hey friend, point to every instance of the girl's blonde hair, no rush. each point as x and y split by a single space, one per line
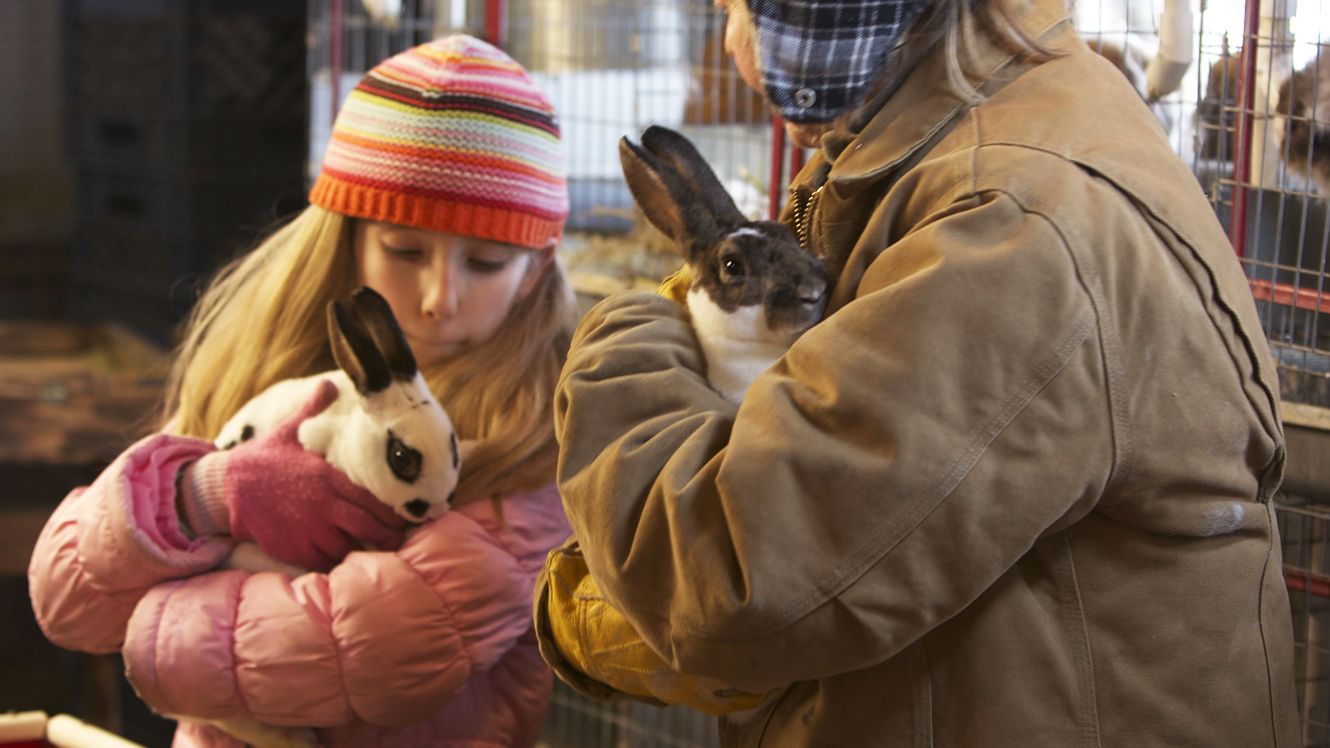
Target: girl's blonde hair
262 319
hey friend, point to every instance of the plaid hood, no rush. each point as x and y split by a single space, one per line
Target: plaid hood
819 57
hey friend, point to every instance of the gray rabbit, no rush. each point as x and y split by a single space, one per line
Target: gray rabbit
754 290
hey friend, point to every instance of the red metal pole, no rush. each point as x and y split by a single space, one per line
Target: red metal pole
494 12
1237 224
796 160
776 185
336 62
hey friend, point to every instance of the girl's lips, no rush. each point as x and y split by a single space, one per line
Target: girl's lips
432 342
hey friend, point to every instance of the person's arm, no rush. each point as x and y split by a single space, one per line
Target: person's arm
107 544
904 454
387 638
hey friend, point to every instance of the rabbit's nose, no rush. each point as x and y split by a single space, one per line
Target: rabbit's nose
811 292
417 508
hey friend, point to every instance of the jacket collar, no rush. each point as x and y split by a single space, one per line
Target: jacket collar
910 113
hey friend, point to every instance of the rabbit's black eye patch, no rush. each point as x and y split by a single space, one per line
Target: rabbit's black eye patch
404 461
457 457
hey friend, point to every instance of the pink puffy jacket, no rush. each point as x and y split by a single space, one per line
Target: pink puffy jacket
428 646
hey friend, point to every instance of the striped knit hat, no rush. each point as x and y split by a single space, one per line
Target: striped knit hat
451 136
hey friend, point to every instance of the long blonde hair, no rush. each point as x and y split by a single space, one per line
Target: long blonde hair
262 320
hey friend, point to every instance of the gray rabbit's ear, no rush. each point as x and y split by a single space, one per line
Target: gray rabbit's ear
683 157
658 191
377 318
355 352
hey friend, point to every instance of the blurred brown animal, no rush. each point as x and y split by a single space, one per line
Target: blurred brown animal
1304 101
1216 114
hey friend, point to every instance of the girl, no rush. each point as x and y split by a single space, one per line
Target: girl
443 189
1014 490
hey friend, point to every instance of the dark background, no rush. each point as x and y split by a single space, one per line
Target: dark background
142 144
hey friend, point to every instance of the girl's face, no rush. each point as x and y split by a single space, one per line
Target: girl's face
740 42
447 291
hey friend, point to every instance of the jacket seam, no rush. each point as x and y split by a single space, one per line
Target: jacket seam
448 609
157 655
1091 282
1187 241
235 624
1260 626
966 457
1093 736
771 714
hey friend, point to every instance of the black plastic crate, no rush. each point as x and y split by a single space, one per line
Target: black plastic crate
208 214
170 81
144 243
132 140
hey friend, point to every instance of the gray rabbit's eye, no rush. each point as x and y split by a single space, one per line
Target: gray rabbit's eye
732 269
404 461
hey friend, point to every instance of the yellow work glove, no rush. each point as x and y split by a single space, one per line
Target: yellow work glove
594 649
676 286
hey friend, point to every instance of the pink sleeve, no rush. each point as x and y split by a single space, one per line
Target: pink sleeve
385 637
107 544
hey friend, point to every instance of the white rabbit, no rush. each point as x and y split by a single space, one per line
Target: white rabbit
385 431
753 290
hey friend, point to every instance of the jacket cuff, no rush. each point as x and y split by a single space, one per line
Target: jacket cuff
201 498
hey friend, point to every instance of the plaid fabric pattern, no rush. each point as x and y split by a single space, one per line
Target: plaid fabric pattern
819 57
450 136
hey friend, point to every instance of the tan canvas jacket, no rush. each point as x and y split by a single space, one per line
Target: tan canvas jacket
1013 491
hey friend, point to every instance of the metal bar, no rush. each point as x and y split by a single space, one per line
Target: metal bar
796 160
1286 294
335 80
776 184
1299 580
1247 101
494 12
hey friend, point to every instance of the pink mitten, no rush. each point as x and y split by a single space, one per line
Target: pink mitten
298 508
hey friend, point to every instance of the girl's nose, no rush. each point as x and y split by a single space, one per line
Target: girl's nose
439 300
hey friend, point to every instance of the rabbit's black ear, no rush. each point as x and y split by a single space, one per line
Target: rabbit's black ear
658 191
355 352
683 157
377 318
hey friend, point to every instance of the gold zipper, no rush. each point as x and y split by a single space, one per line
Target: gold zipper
803 215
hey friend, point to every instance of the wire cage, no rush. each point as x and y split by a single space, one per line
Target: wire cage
610 67
1263 154
1261 150
1240 87
1304 529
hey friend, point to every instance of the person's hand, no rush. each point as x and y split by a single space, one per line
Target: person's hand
296 506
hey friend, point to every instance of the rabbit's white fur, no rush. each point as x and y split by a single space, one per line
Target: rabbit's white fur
349 435
737 345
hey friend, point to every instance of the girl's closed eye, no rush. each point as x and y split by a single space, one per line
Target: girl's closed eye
482 263
404 253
